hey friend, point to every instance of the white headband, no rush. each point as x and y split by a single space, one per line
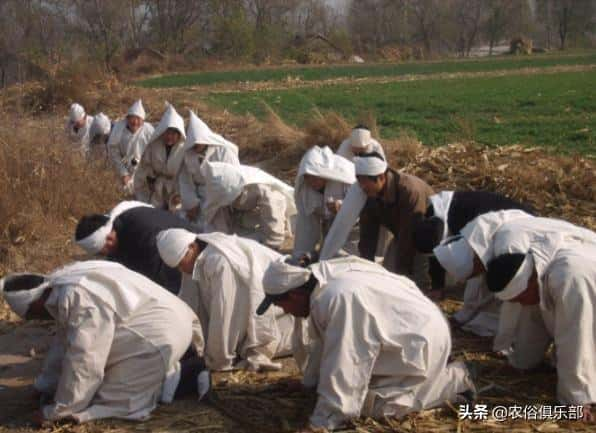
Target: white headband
172 245
369 166
519 282
20 300
95 242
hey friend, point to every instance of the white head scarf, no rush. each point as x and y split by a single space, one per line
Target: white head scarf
95 241
360 138
369 166
20 290
279 278
456 257
170 119
199 133
101 125
137 109
76 113
172 245
519 282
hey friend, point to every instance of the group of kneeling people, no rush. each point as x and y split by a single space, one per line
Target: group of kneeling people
350 303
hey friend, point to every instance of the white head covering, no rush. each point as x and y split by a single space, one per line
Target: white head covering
519 282
137 109
94 242
199 133
360 138
172 245
369 166
20 290
456 257
322 162
279 278
170 119
76 112
101 125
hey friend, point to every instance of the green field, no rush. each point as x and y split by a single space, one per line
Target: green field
554 110
372 70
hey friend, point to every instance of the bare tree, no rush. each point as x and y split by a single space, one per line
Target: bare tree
498 18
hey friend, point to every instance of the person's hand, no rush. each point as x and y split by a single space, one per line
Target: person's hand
193 213
587 414
126 179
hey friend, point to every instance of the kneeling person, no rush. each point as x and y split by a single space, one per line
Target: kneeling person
226 287
118 343
384 345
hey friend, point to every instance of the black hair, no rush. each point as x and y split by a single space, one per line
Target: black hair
202 244
16 283
502 269
428 233
89 224
361 126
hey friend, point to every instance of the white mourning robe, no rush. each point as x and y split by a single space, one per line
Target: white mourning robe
118 336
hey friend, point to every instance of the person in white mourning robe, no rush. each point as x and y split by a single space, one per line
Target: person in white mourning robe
118 343
127 142
322 182
225 290
78 127
202 144
156 178
248 202
384 346
553 279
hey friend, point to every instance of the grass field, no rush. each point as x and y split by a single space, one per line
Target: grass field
554 110
369 70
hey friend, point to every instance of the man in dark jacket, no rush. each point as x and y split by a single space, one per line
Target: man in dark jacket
128 236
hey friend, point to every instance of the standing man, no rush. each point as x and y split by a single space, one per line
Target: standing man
156 178
384 346
118 343
127 142
128 236
225 287
78 128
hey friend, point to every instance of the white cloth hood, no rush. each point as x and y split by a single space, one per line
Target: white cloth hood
360 138
20 290
281 277
200 133
76 113
172 245
369 166
170 119
441 203
225 182
101 125
137 109
456 257
480 231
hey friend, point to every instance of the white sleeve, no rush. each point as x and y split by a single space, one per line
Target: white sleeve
188 190
47 381
308 233
574 337
89 334
347 360
223 333
344 222
114 150
144 169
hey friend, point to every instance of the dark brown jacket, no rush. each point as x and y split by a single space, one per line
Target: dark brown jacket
403 201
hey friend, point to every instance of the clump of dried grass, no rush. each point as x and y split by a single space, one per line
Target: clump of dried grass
44 187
